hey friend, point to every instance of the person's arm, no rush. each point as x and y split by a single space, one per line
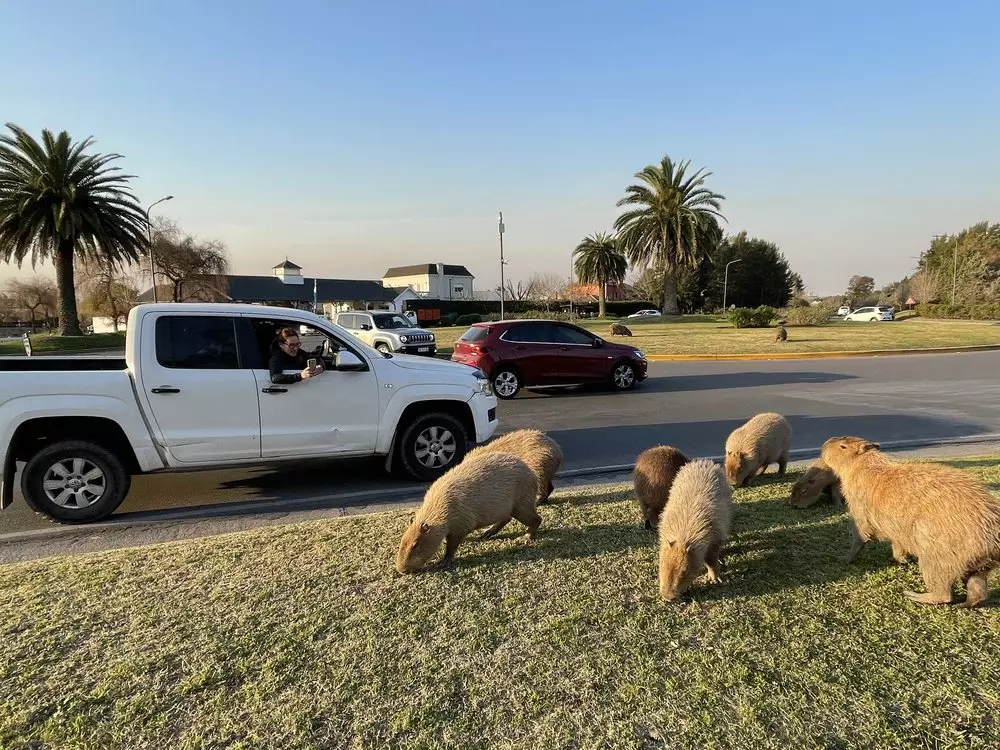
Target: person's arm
277 369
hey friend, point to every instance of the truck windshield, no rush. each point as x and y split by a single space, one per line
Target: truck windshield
388 322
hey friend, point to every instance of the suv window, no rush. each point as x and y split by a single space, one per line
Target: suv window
567 335
390 321
189 342
345 320
530 333
476 333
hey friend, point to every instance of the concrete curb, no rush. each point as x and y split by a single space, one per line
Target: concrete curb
817 355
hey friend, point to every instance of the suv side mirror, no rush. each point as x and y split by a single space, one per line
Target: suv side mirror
348 362
366 326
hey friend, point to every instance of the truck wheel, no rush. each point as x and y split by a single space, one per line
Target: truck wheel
506 382
432 444
75 482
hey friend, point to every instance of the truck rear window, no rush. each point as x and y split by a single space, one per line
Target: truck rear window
474 334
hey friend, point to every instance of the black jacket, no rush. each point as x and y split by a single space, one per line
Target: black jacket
280 361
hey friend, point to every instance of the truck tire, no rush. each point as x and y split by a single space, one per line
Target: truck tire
431 444
75 482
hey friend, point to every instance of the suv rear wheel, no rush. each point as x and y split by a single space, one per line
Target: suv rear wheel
75 482
432 444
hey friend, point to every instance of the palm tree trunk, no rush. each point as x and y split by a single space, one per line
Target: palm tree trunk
69 321
670 292
600 300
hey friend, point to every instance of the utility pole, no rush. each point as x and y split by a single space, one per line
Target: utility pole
149 235
725 284
502 263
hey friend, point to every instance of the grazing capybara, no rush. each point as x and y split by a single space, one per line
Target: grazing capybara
752 447
484 490
542 454
816 481
693 527
653 477
618 329
943 516
781 336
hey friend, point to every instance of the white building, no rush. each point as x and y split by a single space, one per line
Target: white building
432 280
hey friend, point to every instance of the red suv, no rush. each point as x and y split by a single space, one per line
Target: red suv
517 354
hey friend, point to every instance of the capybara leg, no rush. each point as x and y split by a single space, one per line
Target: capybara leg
647 525
836 494
899 553
938 589
545 495
782 465
495 529
530 518
976 590
712 563
857 544
762 470
449 551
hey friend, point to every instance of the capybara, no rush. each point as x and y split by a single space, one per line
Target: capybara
693 527
816 481
618 329
752 447
943 516
652 477
484 490
542 454
782 335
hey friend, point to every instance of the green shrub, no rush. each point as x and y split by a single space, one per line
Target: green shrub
468 320
745 317
808 316
981 311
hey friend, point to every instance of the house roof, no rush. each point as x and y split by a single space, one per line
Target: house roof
426 268
272 289
288 265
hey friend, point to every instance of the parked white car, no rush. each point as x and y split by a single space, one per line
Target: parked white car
644 314
871 314
194 391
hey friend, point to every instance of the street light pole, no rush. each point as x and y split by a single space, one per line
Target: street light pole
725 284
502 263
149 236
954 274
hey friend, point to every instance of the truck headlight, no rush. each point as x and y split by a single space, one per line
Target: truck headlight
638 354
484 386
403 339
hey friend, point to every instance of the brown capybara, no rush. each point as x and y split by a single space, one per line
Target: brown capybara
943 516
693 527
652 477
484 490
816 481
542 454
781 336
752 447
618 329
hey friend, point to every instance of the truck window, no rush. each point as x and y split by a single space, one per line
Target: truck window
189 342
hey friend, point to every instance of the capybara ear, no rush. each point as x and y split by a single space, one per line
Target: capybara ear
424 528
671 542
869 447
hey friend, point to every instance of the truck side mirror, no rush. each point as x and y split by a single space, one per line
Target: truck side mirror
348 362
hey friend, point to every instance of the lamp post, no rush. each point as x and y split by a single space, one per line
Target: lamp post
502 262
725 284
149 235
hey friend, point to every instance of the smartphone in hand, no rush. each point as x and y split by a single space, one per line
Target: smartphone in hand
313 363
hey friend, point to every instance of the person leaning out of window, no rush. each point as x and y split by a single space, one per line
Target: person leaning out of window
291 357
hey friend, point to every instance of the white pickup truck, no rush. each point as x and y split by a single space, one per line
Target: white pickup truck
194 392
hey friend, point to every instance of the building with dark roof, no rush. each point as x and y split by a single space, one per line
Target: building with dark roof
432 280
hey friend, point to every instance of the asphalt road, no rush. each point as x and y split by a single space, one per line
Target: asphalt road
693 406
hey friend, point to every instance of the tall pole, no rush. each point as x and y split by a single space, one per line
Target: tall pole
725 284
149 236
954 274
502 263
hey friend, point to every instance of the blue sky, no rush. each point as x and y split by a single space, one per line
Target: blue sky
356 136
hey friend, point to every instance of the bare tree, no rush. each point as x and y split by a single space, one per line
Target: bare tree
925 285
195 268
107 290
519 293
546 288
34 296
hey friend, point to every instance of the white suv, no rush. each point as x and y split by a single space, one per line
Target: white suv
871 314
388 332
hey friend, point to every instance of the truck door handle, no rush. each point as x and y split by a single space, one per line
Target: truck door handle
272 389
166 389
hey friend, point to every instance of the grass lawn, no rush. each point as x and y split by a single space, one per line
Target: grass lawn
709 335
303 636
51 342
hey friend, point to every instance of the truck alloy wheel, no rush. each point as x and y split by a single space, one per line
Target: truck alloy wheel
75 482
432 444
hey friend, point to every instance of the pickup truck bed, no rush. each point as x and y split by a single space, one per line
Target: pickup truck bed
61 364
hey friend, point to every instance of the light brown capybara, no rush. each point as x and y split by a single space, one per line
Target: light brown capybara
752 447
781 336
817 481
693 527
653 477
484 490
542 454
619 329
943 516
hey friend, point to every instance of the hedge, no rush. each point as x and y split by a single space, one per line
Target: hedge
982 311
808 316
468 320
745 317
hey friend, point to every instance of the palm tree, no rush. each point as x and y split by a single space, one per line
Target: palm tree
672 221
58 202
599 261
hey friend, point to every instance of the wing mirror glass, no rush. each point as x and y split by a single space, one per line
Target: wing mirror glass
348 361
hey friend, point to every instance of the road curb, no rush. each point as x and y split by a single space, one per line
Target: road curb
817 355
